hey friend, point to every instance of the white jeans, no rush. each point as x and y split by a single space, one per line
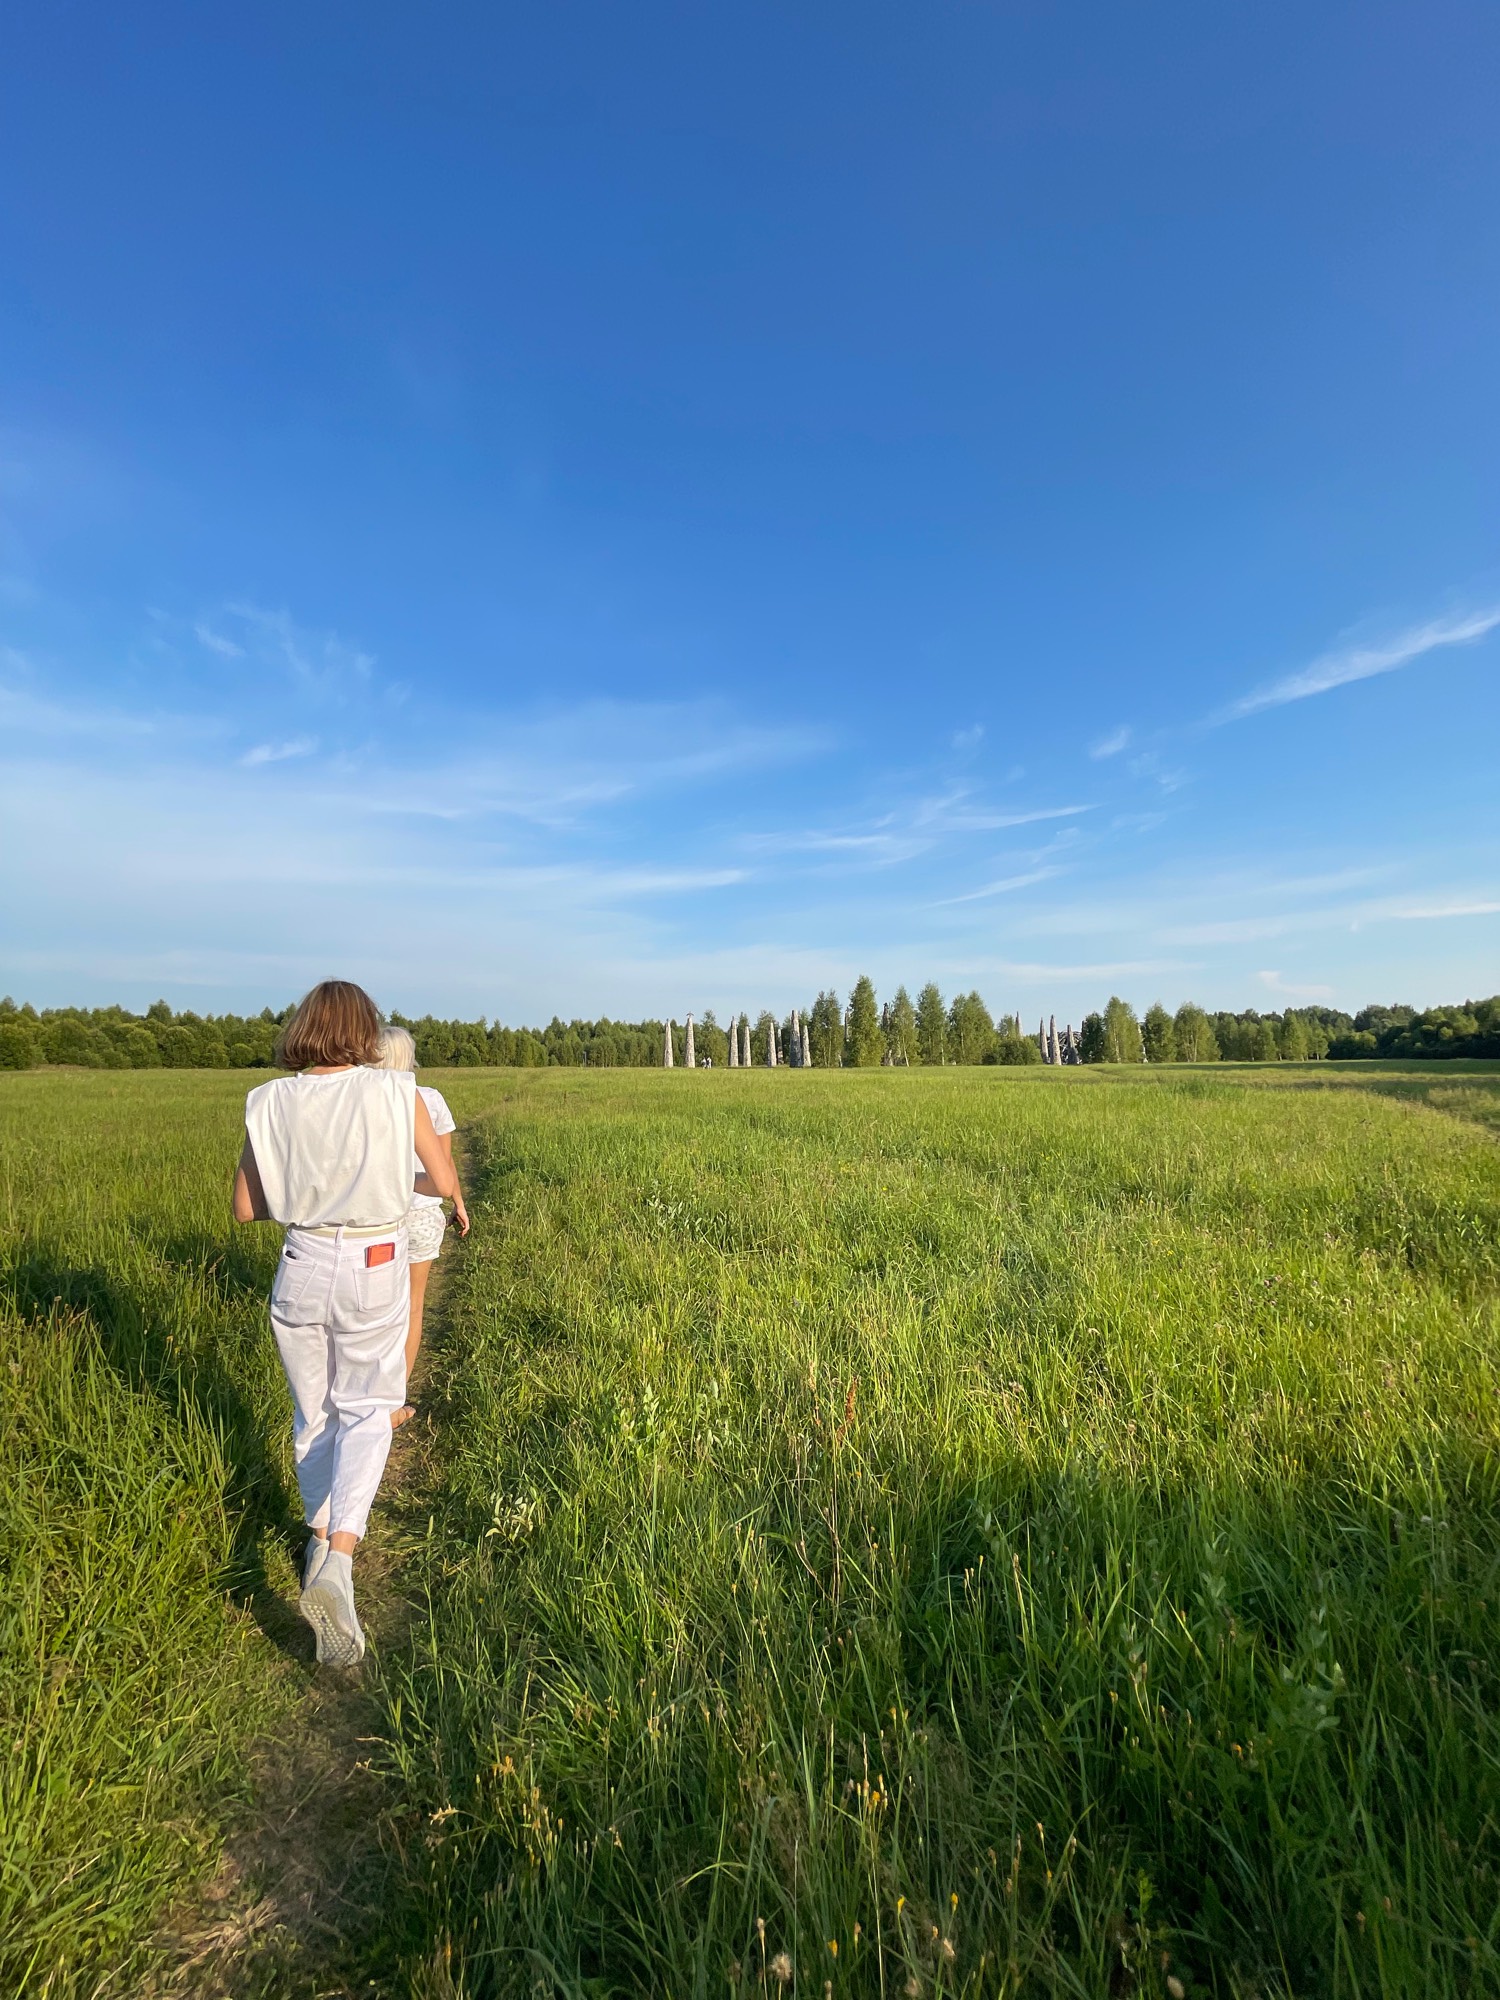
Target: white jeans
340 1323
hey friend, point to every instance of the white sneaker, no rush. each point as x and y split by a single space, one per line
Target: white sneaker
317 1548
327 1603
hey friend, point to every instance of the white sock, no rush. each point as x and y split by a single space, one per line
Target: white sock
338 1568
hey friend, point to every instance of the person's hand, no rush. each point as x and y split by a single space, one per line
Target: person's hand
461 1216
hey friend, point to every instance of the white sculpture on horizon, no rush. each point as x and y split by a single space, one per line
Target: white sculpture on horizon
689 1054
744 1041
666 1054
770 1045
806 1047
734 1043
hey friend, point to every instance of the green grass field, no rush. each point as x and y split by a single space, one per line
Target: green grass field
950 1532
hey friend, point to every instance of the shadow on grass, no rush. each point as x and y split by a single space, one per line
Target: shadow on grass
1466 1092
1276 1704
197 1383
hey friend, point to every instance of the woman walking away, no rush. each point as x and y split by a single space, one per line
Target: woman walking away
333 1153
425 1220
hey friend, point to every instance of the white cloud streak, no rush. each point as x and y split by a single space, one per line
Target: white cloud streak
279 753
1274 983
1360 663
217 643
1439 911
1002 887
951 814
1112 744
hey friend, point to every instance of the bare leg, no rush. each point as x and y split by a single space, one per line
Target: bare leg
413 1334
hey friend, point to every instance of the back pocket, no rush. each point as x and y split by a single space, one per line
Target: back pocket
380 1288
294 1299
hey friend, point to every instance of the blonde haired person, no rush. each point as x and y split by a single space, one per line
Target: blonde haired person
333 1153
425 1220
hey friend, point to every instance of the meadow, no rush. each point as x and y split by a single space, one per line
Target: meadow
947 1532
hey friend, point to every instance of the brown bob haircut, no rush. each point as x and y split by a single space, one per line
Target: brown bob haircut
336 1023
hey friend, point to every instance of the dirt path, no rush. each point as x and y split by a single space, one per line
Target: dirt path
299 1894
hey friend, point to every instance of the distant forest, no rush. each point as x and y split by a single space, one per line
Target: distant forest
860 1035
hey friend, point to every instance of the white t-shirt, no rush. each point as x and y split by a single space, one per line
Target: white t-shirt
335 1149
442 1121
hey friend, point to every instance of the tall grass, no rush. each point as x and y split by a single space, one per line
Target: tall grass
962 1533
901 1534
142 1492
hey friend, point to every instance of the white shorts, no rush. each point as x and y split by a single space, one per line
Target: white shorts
424 1232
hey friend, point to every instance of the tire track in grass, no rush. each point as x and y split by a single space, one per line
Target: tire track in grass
297 1907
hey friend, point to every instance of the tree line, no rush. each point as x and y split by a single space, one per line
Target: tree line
859 1034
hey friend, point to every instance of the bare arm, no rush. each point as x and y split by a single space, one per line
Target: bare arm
460 1213
437 1175
249 1195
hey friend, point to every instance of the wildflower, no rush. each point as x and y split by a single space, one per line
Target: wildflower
833 1946
947 1950
953 1900
900 1904
781 1968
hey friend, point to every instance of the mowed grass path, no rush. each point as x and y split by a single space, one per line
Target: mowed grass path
936 1532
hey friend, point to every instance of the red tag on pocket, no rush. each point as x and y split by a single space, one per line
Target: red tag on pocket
380 1253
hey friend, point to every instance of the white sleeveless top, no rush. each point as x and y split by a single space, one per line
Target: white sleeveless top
336 1149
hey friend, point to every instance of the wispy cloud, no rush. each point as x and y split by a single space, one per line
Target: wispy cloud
1360 663
1112 744
951 812
880 845
1327 918
1274 983
1435 911
25 714
322 662
279 753
1003 887
1124 968
217 643
1149 765
970 738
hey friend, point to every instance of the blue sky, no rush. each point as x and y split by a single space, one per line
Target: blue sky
621 510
